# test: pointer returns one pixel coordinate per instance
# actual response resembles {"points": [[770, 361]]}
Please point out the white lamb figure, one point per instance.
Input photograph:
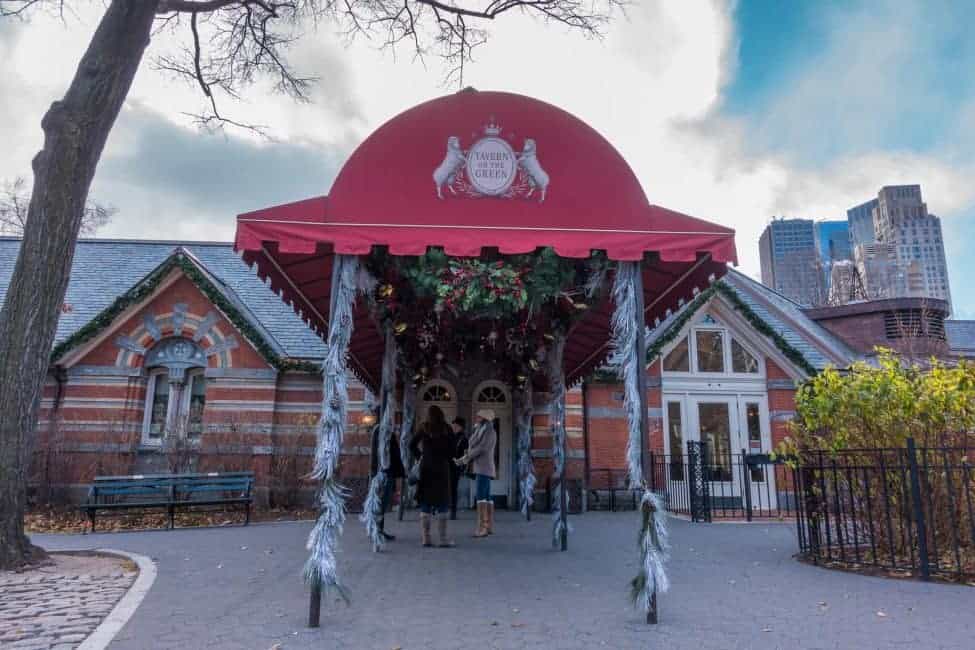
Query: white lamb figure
{"points": [[536, 175], [447, 171]]}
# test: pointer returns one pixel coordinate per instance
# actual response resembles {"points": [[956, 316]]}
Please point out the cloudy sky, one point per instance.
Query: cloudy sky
{"points": [[734, 112]]}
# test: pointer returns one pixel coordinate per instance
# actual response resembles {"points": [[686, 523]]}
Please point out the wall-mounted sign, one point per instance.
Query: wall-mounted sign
{"points": [[491, 168]]}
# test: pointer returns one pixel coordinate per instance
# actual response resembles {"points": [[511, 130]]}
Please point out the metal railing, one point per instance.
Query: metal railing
{"points": [[906, 509], [705, 486]]}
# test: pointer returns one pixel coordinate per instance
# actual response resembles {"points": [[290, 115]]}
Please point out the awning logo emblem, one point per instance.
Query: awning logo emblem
{"points": [[491, 168]]}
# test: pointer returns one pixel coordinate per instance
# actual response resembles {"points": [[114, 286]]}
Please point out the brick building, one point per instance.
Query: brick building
{"points": [[183, 338], [176, 356]]}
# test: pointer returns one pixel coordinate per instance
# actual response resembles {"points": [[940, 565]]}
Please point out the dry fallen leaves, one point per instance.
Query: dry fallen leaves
{"points": [[68, 519]]}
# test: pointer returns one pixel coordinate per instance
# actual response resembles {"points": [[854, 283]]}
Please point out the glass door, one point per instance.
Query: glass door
{"points": [[756, 439], [715, 422]]}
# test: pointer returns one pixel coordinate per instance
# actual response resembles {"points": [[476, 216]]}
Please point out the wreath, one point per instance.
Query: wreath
{"points": [[447, 309]]}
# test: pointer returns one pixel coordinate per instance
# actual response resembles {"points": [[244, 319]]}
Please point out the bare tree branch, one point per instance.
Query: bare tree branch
{"points": [[231, 44], [15, 201]]}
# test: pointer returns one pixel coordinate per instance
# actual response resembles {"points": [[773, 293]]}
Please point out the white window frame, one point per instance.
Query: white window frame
{"points": [[153, 378], [726, 337], [184, 404], [151, 381]]}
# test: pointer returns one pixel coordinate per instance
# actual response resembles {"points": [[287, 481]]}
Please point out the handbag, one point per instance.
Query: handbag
{"points": [[414, 476]]}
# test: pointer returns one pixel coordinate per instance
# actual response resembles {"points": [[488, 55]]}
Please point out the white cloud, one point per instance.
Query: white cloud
{"points": [[654, 87]]}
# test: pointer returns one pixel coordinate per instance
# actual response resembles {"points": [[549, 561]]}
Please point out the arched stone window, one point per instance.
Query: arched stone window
{"points": [[492, 395], [437, 393], [175, 391]]}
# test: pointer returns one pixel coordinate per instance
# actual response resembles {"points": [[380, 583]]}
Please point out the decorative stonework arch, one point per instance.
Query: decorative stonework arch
{"points": [[202, 331]]}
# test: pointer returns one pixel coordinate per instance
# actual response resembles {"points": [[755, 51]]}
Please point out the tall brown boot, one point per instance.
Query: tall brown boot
{"points": [[425, 529], [442, 530], [489, 520], [482, 514]]}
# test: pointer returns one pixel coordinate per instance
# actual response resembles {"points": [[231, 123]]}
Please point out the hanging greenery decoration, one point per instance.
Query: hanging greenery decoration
{"points": [[448, 310]]}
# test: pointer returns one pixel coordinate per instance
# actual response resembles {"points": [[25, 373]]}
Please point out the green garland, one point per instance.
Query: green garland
{"points": [[654, 350], [794, 355], [146, 287], [675, 328]]}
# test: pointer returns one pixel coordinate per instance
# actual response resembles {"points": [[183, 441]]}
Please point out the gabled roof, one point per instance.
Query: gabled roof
{"points": [[105, 269], [820, 346], [804, 341]]}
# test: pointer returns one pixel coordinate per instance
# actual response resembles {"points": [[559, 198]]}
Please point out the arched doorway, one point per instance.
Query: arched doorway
{"points": [[496, 396], [437, 393]]}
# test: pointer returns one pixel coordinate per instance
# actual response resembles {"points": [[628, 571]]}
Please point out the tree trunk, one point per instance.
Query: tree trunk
{"points": [[75, 130]]}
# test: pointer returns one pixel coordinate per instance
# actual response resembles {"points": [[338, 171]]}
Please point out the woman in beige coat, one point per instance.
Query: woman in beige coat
{"points": [[480, 454]]}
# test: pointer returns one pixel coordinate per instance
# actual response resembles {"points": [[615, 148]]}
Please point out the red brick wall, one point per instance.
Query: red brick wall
{"points": [[781, 403]]}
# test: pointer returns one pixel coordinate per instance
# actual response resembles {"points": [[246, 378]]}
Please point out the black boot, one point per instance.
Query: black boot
{"points": [[382, 531]]}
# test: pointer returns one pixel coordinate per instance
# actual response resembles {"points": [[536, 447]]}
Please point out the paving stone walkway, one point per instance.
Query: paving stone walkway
{"points": [[56, 606], [734, 586]]}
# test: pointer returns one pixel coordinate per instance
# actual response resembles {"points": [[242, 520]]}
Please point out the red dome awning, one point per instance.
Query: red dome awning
{"points": [[479, 170]]}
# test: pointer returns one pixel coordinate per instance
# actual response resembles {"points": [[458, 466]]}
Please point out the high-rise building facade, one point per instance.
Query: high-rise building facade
{"points": [[860, 220], [832, 246], [833, 241], [912, 240], [790, 261], [877, 265]]}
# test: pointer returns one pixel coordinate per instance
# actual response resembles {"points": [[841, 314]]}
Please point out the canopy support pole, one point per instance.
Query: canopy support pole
{"points": [[629, 342], [405, 437], [374, 508], [526, 472], [560, 529], [320, 570], [641, 355]]}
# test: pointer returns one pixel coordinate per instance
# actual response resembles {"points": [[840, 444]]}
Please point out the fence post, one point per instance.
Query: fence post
{"points": [[918, 506], [653, 473], [746, 485]]}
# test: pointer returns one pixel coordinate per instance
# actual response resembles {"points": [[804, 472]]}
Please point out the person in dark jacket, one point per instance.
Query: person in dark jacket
{"points": [[458, 446], [394, 472], [433, 446]]}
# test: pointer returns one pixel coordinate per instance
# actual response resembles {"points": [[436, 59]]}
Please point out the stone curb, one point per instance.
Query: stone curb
{"points": [[125, 608]]}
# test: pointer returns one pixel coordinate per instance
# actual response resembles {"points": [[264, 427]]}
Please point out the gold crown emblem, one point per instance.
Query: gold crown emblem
{"points": [[492, 128]]}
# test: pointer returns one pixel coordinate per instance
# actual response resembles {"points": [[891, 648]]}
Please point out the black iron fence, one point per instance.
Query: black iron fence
{"points": [[703, 486], [706, 486], [908, 509]]}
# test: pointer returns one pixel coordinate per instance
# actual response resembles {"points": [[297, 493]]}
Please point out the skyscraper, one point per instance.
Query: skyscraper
{"points": [[860, 219], [790, 262], [912, 245], [832, 246], [833, 241]]}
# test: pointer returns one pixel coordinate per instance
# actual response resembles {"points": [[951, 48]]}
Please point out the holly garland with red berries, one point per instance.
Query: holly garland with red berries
{"points": [[447, 310]]}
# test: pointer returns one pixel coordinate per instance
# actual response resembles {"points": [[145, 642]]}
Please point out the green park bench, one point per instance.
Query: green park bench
{"points": [[169, 493]]}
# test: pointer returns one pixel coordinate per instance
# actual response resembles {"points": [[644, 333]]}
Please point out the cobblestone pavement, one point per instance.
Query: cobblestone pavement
{"points": [[58, 605], [734, 586]]}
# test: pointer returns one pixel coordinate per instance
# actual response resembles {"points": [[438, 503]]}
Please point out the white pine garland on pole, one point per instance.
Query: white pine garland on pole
{"points": [[372, 509], [624, 346], [557, 378], [406, 437], [653, 542], [526, 470], [321, 570]]}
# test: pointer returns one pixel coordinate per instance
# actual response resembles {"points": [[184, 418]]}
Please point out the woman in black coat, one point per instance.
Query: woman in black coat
{"points": [[433, 446]]}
